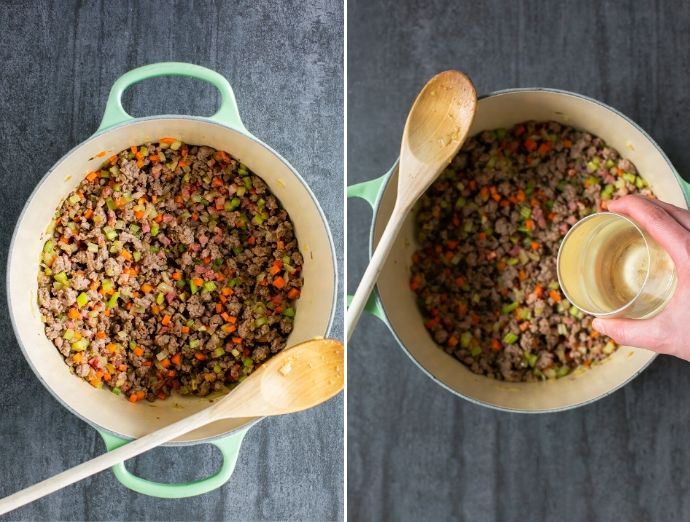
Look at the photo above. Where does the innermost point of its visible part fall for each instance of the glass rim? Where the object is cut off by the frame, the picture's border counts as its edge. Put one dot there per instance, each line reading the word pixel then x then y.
pixel 631 302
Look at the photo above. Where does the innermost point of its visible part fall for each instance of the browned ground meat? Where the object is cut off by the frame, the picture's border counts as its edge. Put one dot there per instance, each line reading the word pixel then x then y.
pixel 489 230
pixel 172 267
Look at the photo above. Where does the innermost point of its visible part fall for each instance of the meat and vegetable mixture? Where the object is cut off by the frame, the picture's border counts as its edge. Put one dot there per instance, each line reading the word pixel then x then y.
pixel 173 267
pixel 489 230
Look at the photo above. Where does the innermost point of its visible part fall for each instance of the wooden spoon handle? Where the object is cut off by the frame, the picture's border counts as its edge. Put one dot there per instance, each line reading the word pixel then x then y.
pixel 111 458
pixel 371 275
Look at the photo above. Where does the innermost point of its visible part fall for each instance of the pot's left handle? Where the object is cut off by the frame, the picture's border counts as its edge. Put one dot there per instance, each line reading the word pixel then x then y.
pixel 369 191
pixel 227 114
pixel 229 447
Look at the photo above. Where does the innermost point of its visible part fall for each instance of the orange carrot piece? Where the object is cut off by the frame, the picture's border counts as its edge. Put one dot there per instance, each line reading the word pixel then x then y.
pixel 555 295
pixel 185 329
pixel 166 320
pixel 92 176
pixel 126 254
pixel 200 356
pixel 226 290
pixel 279 282
pixel 138 351
pixel 177 276
pixel 73 313
pixel 146 288
pixel 294 293
pixel 176 359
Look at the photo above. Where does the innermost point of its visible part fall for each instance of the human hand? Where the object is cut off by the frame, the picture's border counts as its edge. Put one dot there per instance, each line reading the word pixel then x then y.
pixel 669 331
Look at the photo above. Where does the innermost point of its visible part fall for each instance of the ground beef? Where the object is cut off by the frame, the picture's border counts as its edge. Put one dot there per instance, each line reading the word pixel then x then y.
pixel 488 232
pixel 172 267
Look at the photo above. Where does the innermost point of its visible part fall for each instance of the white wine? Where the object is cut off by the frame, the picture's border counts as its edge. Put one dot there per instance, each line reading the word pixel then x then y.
pixel 608 266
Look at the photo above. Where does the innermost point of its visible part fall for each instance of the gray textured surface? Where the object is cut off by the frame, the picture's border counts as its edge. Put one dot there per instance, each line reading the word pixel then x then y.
pixel 416 452
pixel 59 59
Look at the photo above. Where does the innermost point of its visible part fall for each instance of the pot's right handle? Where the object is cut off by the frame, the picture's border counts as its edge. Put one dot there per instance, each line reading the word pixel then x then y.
pixel 369 191
pixel 227 114
pixel 229 447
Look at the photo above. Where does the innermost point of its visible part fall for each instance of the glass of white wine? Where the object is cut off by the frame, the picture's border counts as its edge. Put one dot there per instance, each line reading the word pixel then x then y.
pixel 609 267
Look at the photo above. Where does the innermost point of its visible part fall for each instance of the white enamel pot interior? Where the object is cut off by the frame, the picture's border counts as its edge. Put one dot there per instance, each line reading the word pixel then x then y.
pixel 505 109
pixel 104 410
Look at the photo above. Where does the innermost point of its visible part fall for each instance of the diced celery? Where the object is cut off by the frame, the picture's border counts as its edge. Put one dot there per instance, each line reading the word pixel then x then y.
pixel 193 287
pixel 593 165
pixel 209 286
pixel 194 343
pixel 159 299
pixel 509 307
pixel 80 345
pixel 217 369
pixel 562 371
pixel 68 335
pixel 526 212
pixel 112 302
pixel 248 363
pixel 175 145
pixel 218 352
pixel 136 255
pixel 49 246
pixel 510 338
pixel 465 339
pixel 61 278
pixel 134 228
pixel 82 299
pixel 531 359
pixel 553 285
pixel 609 348
pixel 116 390
pixel 610 164
pixel 475 351
pixel 110 202
pixel 640 183
pixel 629 177
pixel 260 322
pixel 460 203
pixel 154 229
pixel 111 235
pixel 74 199
pixel 289 312
pixel 242 170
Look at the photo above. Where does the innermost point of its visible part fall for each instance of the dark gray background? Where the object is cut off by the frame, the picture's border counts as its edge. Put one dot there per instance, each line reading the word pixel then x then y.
pixel 59 59
pixel 417 452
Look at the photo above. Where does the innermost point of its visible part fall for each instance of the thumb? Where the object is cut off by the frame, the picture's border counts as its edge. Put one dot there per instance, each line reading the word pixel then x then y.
pixel 632 332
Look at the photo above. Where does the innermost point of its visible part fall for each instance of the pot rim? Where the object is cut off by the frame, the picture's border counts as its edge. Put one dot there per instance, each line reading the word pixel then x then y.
pixel 117 127
pixel 376 206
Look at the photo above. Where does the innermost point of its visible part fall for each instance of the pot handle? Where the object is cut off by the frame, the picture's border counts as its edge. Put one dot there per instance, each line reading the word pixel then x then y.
pixel 229 447
pixel 369 191
pixel 227 114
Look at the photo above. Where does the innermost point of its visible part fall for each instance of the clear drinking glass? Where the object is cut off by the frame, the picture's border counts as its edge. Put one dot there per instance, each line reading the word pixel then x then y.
pixel 609 267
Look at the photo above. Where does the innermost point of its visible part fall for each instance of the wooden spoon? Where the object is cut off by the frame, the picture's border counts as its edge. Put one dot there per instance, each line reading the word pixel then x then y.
pixel 436 128
pixel 293 380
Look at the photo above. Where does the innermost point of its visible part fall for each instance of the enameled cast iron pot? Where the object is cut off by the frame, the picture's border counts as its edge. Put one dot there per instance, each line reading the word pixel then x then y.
pixel 114 417
pixel 395 304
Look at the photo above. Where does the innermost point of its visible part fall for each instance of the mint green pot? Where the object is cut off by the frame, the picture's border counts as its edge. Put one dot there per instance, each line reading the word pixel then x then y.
pixel 395 304
pixel 117 420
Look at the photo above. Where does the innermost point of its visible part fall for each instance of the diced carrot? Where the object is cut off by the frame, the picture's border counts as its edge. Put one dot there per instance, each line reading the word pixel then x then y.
pixel 501 265
pixel 595 334
pixel 112 348
pixel 496 345
pixel 452 341
pixel 88 213
pixel 122 367
pixel 139 155
pixel 120 202
pixel 544 148
pixel 113 159
pixel 217 182
pixel 158 218
pixel 555 295
pixel 219 308
pixel 237 340
pixel 519 130
pixel 207 260
pixel 155 309
pixel 530 144
pixel 223 299
pixel 535 245
pixel 77 357
pixel 294 293
pixel 567 144
pixel 176 359
pixel 154 158
pixel 251 240
pixel 139 214
pixel 551 216
pixel 520 196
pixel 177 276
pixel 106 376
pixel 522 275
pixel 146 288
pixel 92 176
pixel 198 281
pixel 182 163
pixel 220 276
pixel 484 192
pixel 100 335
pixel 133 398
pixel 459 281
pixel 529 224
pixel 184 151
pixel 165 362
pixel 229 328
pixel 138 351
pixel 166 320
pixel 279 282
pixel 140 163
pixel 73 313
pixel 276 267
pixel 168 141
pixel 200 356
pixel 482 236
pixel 227 317
pixel 126 254
pixel 280 245
pixel 474 318
pixel 226 290
pixel 171 373
pixel 524 326
pixel 539 291
pixel 195 216
pixel 106 312
pixel 185 329
pixel 221 155
pixel 133 149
